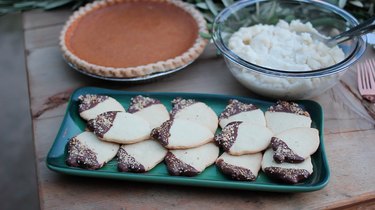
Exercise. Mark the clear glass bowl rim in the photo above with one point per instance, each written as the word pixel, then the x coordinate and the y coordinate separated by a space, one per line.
pixel 341 66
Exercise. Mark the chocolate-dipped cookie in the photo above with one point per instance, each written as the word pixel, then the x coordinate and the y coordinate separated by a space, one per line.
pixel 238 111
pixel 87 151
pixel 120 127
pixel 295 145
pixel 182 134
pixel 133 157
pixel 286 115
pixel 290 173
pixel 91 105
pixel 242 167
pixel 192 110
pixel 191 162
pixel 150 109
pixel 239 138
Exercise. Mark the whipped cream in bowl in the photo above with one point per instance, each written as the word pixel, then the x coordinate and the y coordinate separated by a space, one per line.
pixel 272 52
pixel 284 46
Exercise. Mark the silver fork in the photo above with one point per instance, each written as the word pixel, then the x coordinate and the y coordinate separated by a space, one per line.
pixel 366 77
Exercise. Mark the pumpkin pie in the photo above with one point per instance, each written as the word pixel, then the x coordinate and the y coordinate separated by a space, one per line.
pixel 133 38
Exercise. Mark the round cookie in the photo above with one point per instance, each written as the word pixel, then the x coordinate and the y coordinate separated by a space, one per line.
pixel 87 151
pixel 182 134
pixel 242 167
pixel 239 138
pixel 238 111
pixel 191 162
pixel 120 127
pixel 192 110
pixel 295 145
pixel 286 115
pixel 290 173
pixel 150 109
pixel 132 158
pixel 90 105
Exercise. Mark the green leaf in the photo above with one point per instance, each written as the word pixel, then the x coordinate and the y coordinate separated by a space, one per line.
pixel 55 4
pixel 211 5
pixel 205 35
pixel 357 3
pixel 342 3
pixel 202 5
pixel 227 3
pixel 24 4
pixel 209 26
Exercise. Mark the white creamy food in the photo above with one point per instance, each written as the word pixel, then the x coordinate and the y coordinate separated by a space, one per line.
pixel 284 46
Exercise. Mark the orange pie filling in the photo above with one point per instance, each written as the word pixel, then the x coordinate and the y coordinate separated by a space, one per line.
pixel 125 35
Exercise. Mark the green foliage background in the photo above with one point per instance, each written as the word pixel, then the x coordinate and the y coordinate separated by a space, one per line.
pixel 361 9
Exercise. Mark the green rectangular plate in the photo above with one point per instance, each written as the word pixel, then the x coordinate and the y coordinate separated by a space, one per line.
pixel 211 177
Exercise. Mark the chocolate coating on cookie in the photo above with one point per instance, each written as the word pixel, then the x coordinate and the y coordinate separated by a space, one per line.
pixel 289 107
pixel 235 172
pixel 283 153
pixel 287 175
pixel 127 163
pixel 179 104
pixel 234 107
pixel 102 123
pixel 178 168
pixel 162 133
pixel 89 101
pixel 228 135
pixel 140 102
pixel 81 156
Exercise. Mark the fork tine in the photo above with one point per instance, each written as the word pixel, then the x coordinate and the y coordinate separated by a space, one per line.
pixel 359 78
pixel 371 74
pixel 364 76
pixel 368 75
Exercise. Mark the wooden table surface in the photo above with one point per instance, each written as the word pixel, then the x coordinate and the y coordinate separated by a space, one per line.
pixel 349 136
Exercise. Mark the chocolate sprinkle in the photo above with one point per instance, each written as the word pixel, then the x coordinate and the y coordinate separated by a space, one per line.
pixel 79 155
pixel 127 163
pixel 140 102
pixel 179 104
pixel 228 135
pixel 89 101
pixel 162 133
pixel 283 153
pixel 287 175
pixel 178 168
pixel 102 123
pixel 235 107
pixel 289 107
pixel 235 172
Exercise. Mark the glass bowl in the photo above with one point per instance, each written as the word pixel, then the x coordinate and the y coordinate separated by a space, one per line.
pixel 328 19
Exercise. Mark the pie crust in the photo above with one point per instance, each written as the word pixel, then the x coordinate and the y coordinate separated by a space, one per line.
pixel 180 60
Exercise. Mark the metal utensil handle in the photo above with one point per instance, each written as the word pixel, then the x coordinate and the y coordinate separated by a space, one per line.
pixel 363 28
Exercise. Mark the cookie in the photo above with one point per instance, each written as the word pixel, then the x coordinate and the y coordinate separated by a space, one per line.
pixel 91 105
pixel 295 145
pixel 191 162
pixel 199 112
pixel 286 115
pixel 242 167
pixel 239 138
pixel 120 127
pixel 140 157
pixel 290 173
pixel 150 109
pixel 182 134
pixel 238 111
pixel 87 151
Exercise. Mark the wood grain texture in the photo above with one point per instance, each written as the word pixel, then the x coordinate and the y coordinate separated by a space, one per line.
pixel 38 18
pixel 349 138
